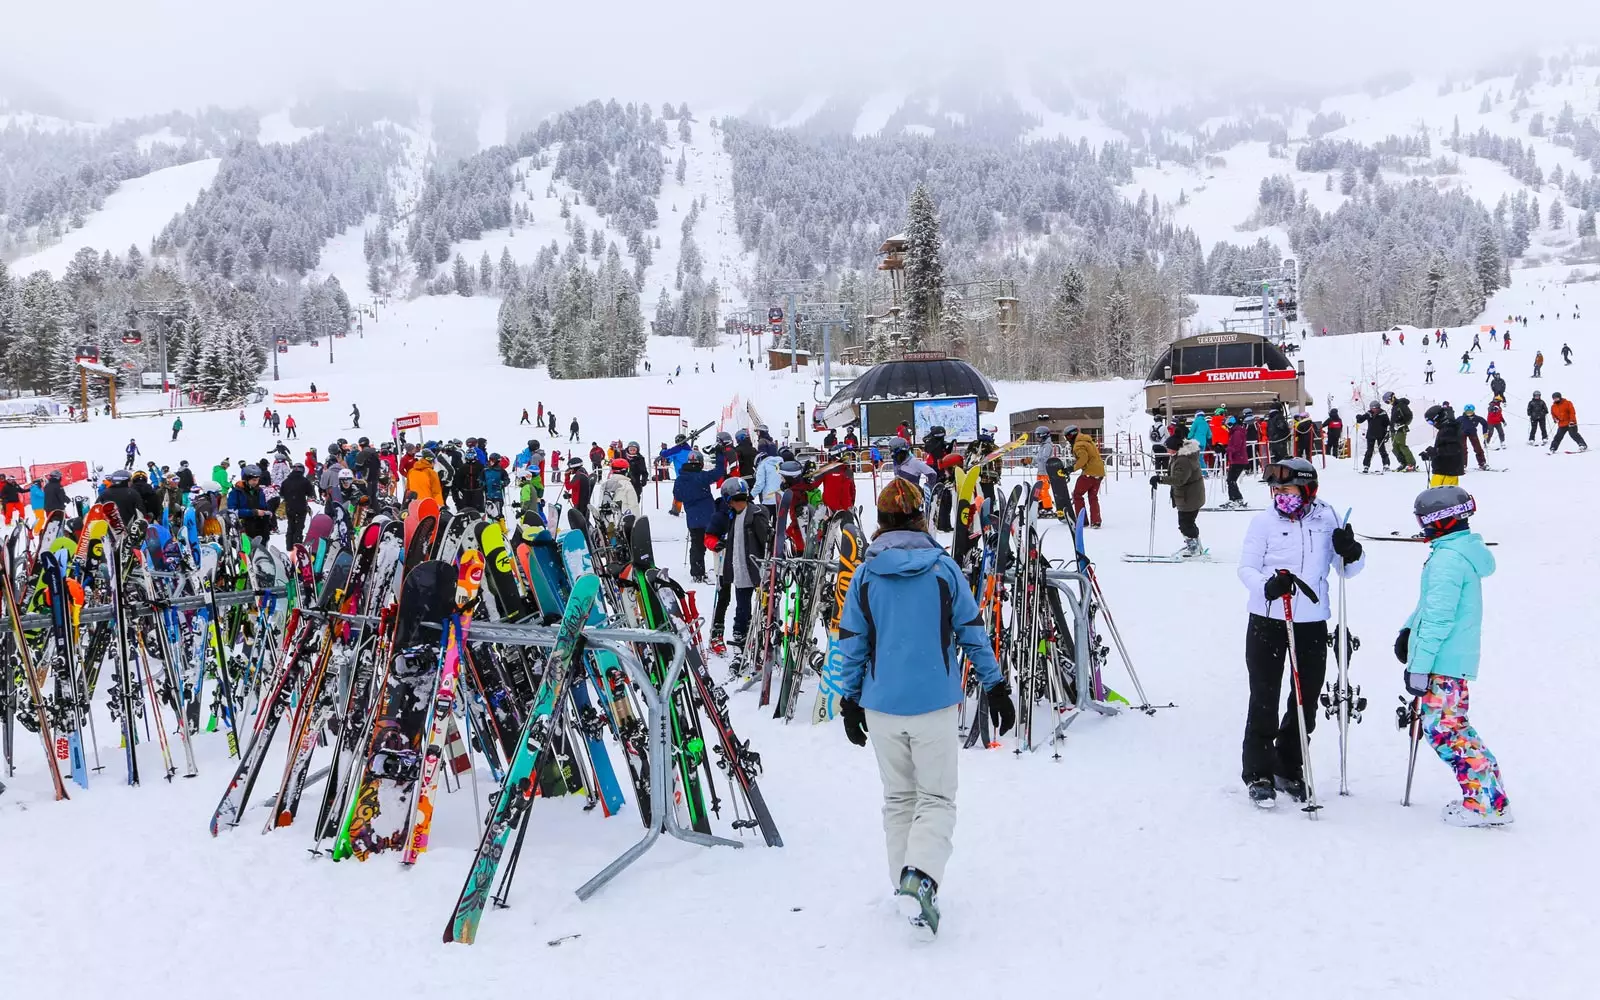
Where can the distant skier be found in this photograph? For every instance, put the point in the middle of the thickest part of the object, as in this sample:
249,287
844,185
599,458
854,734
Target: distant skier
1496,424
177,426
290,427
551,417
524,419
1505,342
355,416
1287,553
1470,423
1538,364
1466,363
1537,411
1399,429
1188,489
1490,373
131,452
1427,372
572,428
1440,647
907,610
1476,345
1566,417
1566,354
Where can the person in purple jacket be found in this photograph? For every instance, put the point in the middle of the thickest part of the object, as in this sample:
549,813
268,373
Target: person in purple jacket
1238,462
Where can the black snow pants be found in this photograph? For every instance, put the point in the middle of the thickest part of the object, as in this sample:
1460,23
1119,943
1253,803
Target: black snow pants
1271,742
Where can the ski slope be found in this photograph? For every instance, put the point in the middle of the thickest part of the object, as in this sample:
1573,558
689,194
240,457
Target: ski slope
1133,866
133,214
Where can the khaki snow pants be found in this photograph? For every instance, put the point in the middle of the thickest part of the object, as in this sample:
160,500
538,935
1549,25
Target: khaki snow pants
917,758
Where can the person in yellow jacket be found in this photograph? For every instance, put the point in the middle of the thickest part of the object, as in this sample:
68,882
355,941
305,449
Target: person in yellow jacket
422,481
1091,470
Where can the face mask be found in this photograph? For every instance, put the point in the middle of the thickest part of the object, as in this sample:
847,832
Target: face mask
1288,504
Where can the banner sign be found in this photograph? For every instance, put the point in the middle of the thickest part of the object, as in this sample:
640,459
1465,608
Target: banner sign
1236,375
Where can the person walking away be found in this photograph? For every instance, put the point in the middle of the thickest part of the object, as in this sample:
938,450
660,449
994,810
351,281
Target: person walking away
1305,435
355,416
130,453
1158,446
524,419
1399,430
277,421
185,477
573,427
55,495
540,412
1427,372
1239,460
495,479
177,426
1497,385
1538,364
1470,423
467,484
1200,431
422,480
295,492
1566,354
1377,434
1440,646
1444,340
1447,456
1043,451
1332,431
1287,552
906,611
1566,418
692,491
1496,424
1277,433
1091,470
742,533
1188,488
1537,411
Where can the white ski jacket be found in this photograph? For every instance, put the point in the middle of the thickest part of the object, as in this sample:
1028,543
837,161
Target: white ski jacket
1304,548
617,492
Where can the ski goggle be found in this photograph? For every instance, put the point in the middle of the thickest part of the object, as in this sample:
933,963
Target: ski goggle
1466,508
1281,475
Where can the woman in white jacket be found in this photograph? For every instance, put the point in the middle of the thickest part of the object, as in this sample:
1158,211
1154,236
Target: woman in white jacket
1288,550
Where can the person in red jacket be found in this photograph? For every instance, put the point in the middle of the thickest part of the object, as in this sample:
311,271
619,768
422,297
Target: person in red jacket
311,461
289,425
1566,418
1497,425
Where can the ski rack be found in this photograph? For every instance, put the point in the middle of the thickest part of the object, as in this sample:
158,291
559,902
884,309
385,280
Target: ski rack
1079,601
94,614
616,641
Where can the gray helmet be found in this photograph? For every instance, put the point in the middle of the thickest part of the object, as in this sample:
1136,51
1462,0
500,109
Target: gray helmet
790,469
735,487
723,437
1536,394
1070,431
250,472
1293,472
1443,509
1041,431
121,476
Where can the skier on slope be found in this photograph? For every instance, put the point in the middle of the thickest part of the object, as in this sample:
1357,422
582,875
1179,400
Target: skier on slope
1470,423
1399,429
1188,488
130,453
1566,354
906,610
355,416
1566,418
1287,551
1495,424
1377,434
1427,372
1537,411
1440,647
1238,456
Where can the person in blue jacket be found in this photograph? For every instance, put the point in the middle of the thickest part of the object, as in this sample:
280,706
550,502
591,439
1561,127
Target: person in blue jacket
1200,430
1440,646
907,609
693,492
494,482
248,504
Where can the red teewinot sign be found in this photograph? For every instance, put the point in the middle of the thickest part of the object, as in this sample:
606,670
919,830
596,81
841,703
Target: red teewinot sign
1235,375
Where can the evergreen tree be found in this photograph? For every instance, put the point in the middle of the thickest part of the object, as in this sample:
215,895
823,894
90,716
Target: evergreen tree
462,276
374,278
508,280
1586,224
924,269
485,272
1347,179
1558,215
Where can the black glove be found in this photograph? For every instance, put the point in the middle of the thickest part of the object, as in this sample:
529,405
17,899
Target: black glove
1280,585
1155,481
1345,545
1402,645
1416,683
1426,454
1002,710
855,722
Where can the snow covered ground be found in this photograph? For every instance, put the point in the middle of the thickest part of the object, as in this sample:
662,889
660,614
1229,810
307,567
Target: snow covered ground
1134,866
133,214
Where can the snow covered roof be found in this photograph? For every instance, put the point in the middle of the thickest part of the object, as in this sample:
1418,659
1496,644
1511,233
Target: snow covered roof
944,378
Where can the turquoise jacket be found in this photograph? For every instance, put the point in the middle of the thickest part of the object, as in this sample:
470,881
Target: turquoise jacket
1447,627
1200,430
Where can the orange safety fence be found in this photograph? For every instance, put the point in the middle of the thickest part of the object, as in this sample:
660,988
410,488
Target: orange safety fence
71,472
299,397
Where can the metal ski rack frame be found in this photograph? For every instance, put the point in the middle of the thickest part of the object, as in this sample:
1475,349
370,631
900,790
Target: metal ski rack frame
1079,599
102,612
663,819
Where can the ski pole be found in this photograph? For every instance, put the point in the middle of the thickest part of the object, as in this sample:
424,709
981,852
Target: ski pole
1411,717
1151,550
1311,805
1341,653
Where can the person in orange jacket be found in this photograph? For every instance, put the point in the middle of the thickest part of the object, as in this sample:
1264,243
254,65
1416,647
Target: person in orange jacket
1566,418
422,481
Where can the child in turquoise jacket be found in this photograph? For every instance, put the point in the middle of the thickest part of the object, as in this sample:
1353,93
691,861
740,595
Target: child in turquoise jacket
1440,647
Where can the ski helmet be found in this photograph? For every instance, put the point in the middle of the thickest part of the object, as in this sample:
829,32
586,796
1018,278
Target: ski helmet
363,441
937,430
695,459
1041,432
734,488
1443,510
120,476
680,439
633,446
785,454
619,465
1293,472
1070,431
1374,405
1536,394
345,474
790,469
724,438
1556,396
1469,408
742,435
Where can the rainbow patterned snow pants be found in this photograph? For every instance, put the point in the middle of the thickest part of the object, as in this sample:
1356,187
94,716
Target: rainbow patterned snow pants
1446,729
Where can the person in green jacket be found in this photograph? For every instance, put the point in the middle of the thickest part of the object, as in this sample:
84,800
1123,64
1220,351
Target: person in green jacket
221,476
177,425
1440,647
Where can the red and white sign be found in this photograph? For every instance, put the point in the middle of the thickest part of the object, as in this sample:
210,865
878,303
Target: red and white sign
663,411
1236,375
408,423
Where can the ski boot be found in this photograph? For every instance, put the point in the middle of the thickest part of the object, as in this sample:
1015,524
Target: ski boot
1457,814
918,896
1191,549
1263,794
1292,787
718,646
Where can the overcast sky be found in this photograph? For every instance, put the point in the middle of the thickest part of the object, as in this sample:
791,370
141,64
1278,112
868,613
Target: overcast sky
115,57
